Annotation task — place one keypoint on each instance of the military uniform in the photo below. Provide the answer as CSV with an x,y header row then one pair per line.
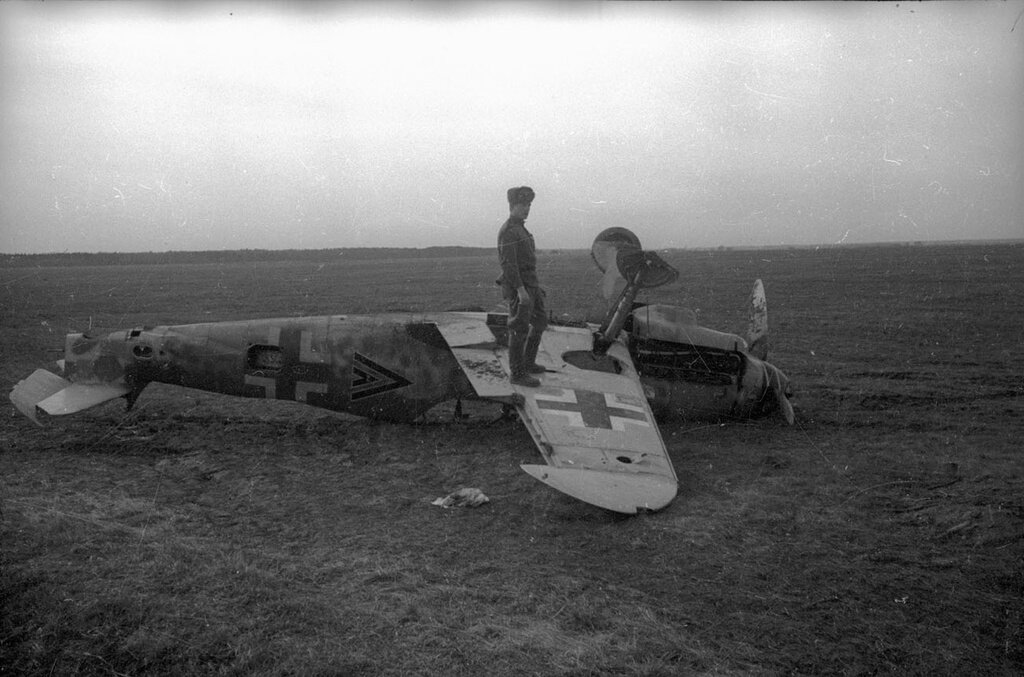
x,y
527,321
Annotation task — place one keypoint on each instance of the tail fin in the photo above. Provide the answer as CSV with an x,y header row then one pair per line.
x,y
757,329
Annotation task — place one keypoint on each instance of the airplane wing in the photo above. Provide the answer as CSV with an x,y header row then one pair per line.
x,y
589,417
473,340
51,394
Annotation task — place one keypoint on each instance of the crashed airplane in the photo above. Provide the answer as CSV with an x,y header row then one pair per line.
x,y
592,418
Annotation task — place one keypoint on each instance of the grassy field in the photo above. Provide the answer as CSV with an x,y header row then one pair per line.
x,y
197,534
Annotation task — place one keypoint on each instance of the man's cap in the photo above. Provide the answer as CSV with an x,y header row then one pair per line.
x,y
520,194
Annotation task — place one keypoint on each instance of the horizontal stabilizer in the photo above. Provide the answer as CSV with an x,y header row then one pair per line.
x,y
616,491
49,393
33,390
80,396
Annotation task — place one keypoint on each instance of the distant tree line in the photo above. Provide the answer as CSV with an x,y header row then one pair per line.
x,y
378,254
238,256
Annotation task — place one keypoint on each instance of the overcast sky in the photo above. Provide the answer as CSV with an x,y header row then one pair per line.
x,y
153,126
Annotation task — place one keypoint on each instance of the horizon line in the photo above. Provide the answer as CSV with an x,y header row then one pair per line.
x,y
881,243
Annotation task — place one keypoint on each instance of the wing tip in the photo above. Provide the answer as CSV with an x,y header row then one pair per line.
x,y
626,493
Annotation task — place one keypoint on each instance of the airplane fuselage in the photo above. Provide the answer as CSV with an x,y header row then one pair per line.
x,y
390,367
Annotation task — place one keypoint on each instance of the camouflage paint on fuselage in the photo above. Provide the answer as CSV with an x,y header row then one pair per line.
x,y
395,367
391,367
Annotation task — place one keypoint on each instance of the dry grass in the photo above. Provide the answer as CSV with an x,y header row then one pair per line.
x,y
205,535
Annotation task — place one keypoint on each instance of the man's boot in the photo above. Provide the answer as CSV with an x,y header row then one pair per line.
x,y
530,354
516,361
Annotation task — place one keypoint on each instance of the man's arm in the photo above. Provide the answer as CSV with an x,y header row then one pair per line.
x,y
508,256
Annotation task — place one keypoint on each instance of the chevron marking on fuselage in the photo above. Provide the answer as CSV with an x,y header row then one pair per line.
x,y
370,378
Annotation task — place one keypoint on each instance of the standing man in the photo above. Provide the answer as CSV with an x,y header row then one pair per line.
x,y
519,285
